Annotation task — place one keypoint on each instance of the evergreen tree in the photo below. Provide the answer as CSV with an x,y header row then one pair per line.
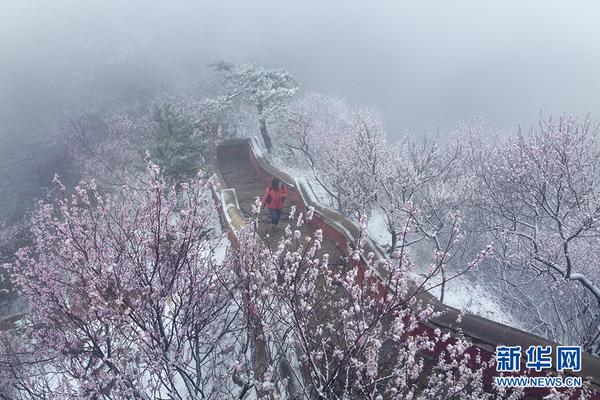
x,y
183,137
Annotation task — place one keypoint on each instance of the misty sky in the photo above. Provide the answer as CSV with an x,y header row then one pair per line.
x,y
425,64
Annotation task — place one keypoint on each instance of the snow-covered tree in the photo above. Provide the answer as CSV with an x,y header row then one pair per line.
x,y
307,126
424,181
356,162
344,147
538,195
265,89
127,300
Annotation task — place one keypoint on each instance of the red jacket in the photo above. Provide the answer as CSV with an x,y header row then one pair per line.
x,y
274,198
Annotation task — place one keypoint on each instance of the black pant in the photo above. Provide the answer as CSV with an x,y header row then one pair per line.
x,y
275,215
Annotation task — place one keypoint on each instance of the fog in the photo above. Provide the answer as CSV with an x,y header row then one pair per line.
x,y
426,65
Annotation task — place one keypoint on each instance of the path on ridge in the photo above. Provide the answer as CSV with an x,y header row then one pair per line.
x,y
238,173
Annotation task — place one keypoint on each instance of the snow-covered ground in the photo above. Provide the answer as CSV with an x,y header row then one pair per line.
x,y
466,292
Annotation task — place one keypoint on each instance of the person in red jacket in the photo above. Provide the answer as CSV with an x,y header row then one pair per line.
x,y
273,199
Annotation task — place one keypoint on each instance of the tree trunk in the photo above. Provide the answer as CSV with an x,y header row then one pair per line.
x,y
265,134
394,243
443,286
263,128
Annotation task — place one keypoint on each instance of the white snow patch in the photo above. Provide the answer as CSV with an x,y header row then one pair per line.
x,y
471,296
220,250
377,229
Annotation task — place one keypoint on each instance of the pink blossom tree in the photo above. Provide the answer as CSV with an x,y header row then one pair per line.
x,y
340,331
126,300
107,148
